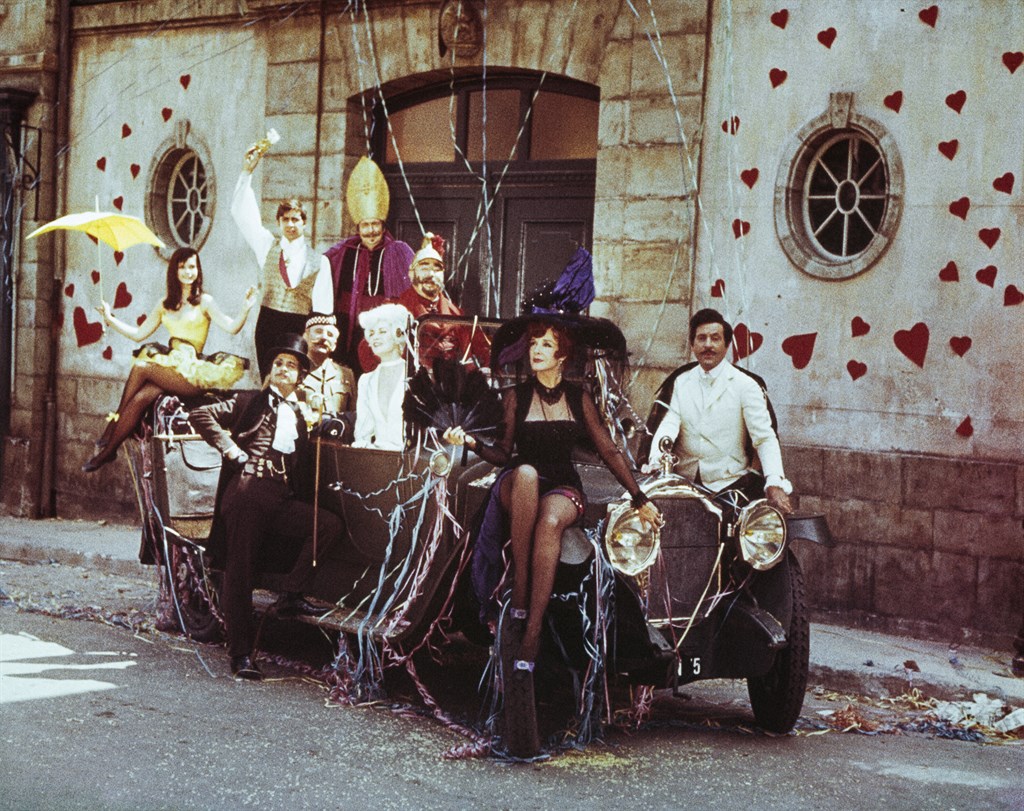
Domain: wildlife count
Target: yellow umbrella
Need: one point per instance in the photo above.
(119, 231)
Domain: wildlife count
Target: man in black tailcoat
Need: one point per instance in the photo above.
(263, 497)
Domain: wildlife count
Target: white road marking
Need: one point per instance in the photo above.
(14, 686)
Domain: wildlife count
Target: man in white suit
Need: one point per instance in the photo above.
(717, 416)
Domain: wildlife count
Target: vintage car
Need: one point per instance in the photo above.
(717, 593)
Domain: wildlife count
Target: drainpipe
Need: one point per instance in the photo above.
(46, 499)
(319, 123)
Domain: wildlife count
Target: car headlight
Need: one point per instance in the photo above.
(631, 545)
(762, 535)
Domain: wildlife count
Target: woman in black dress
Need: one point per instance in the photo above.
(539, 488)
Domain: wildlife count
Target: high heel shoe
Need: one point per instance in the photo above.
(520, 706)
(104, 440)
(521, 737)
(99, 460)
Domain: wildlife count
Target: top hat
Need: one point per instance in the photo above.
(289, 343)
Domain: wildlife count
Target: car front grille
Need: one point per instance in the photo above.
(687, 561)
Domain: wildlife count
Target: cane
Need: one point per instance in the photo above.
(316, 497)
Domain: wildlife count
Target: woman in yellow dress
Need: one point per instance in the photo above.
(179, 368)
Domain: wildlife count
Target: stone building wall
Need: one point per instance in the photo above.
(926, 545)
(28, 63)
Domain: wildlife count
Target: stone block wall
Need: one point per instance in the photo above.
(925, 545)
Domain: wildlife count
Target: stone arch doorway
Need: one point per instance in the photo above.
(503, 167)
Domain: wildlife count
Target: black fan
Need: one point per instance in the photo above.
(453, 395)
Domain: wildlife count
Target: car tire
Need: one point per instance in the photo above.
(191, 599)
(778, 696)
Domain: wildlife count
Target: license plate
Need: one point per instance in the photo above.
(689, 667)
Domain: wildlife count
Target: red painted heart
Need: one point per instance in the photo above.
(718, 289)
(955, 101)
(959, 208)
(780, 18)
(118, 257)
(86, 331)
(894, 101)
(185, 79)
(950, 273)
(122, 298)
(749, 176)
(745, 342)
(800, 348)
(1013, 60)
(777, 76)
(827, 37)
(101, 164)
(949, 148)
(95, 277)
(987, 275)
(1004, 183)
(93, 239)
(731, 125)
(856, 369)
(929, 15)
(167, 112)
(965, 429)
(740, 228)
(69, 291)
(990, 236)
(1012, 296)
(913, 342)
(960, 345)
(135, 169)
(859, 327)
(118, 202)
(125, 130)
(108, 353)
(140, 319)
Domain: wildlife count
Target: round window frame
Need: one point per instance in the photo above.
(166, 160)
(791, 225)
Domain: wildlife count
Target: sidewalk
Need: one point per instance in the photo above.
(842, 659)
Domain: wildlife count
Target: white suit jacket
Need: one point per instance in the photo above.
(374, 427)
(709, 428)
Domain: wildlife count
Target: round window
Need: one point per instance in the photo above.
(839, 195)
(180, 201)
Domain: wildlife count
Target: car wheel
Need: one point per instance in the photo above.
(192, 607)
(778, 696)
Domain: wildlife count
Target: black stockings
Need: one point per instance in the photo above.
(537, 527)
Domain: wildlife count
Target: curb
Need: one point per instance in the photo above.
(34, 553)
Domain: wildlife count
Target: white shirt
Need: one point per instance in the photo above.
(246, 214)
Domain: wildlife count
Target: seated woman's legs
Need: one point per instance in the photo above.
(555, 514)
(519, 497)
(136, 380)
(147, 382)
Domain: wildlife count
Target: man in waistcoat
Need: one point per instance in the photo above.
(263, 508)
(294, 278)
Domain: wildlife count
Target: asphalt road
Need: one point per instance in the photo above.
(158, 723)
